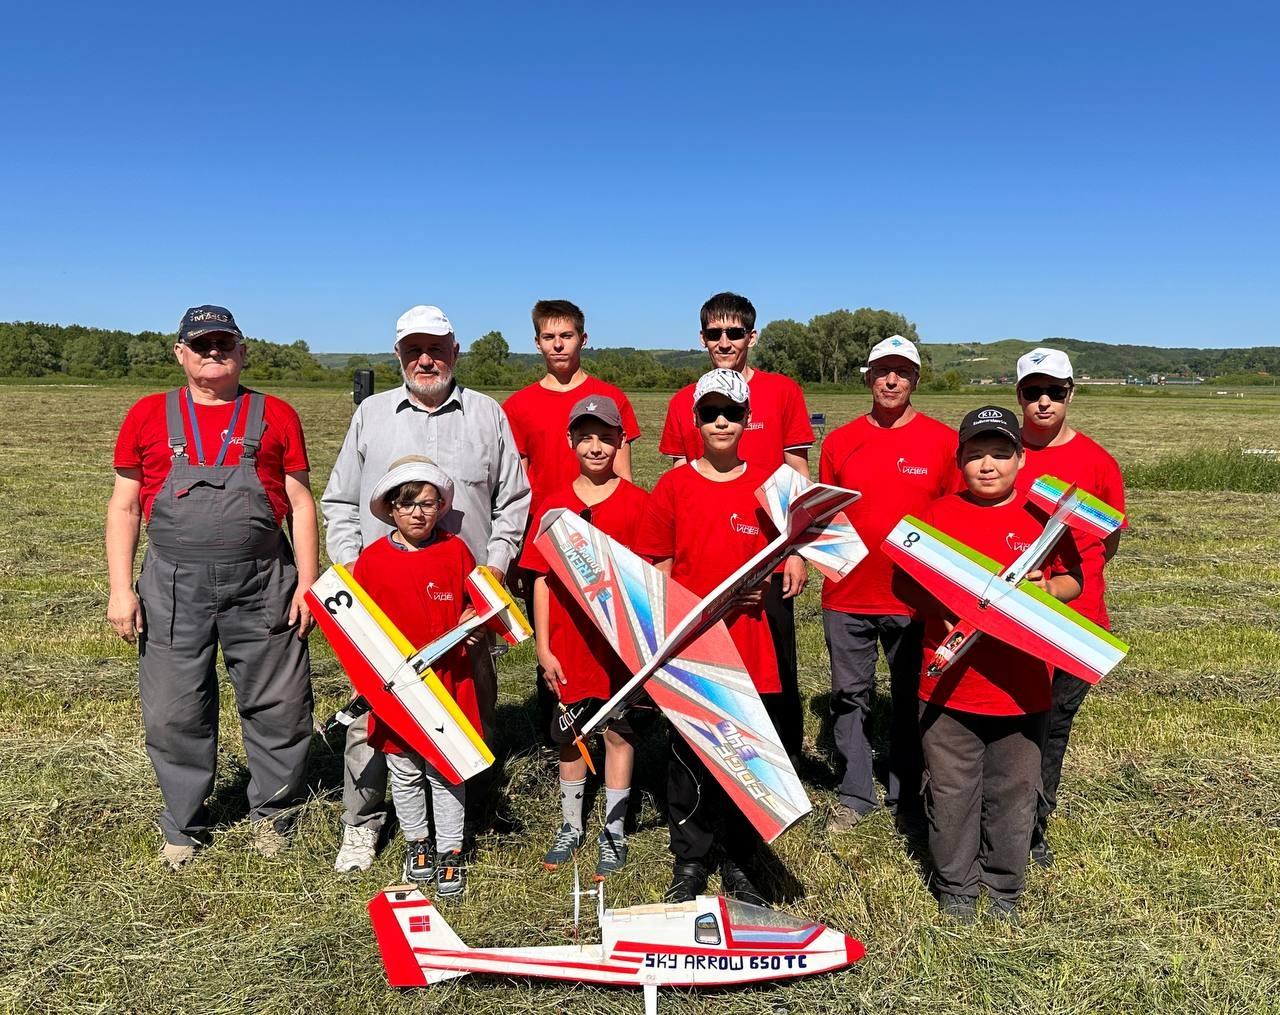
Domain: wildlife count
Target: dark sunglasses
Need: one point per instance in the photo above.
(711, 413)
(205, 344)
(713, 334)
(1035, 392)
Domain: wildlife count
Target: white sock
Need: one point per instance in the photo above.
(571, 802)
(615, 810)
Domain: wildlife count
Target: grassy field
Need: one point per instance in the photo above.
(1165, 896)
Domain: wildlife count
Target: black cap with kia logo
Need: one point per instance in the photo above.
(991, 419)
(206, 320)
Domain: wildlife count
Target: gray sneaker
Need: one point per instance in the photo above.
(451, 875)
(567, 842)
(419, 861)
(844, 819)
(176, 856)
(613, 854)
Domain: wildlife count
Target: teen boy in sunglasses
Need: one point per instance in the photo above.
(703, 523)
(777, 432)
(1045, 389)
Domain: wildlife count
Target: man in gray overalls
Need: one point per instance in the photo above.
(215, 469)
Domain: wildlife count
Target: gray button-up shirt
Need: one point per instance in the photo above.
(468, 437)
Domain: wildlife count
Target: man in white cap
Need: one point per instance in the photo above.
(901, 460)
(467, 435)
(1046, 386)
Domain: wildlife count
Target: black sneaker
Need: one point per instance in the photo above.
(735, 884)
(419, 861)
(688, 881)
(567, 842)
(1041, 855)
(613, 854)
(451, 876)
(961, 908)
(1005, 911)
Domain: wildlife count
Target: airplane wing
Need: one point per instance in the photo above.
(813, 516)
(969, 585)
(704, 688)
(1089, 513)
(495, 609)
(379, 662)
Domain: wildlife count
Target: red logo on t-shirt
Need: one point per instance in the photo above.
(907, 469)
(440, 597)
(1014, 543)
(741, 527)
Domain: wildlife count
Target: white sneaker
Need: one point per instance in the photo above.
(359, 847)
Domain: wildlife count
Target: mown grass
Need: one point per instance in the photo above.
(1164, 897)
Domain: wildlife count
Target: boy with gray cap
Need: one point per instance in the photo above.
(417, 574)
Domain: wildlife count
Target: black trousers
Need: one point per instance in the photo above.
(786, 708)
(981, 779)
(1068, 695)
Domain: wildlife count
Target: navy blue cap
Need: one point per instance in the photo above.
(206, 320)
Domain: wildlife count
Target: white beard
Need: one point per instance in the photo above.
(431, 393)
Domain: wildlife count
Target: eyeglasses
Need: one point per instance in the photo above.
(1035, 392)
(418, 507)
(202, 345)
(734, 334)
(711, 413)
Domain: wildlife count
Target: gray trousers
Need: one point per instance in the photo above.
(364, 780)
(982, 776)
(411, 780)
(190, 609)
(852, 640)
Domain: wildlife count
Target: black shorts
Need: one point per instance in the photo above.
(565, 722)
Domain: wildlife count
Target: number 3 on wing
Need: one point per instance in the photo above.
(340, 598)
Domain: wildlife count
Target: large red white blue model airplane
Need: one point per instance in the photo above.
(993, 599)
(395, 680)
(710, 942)
(679, 650)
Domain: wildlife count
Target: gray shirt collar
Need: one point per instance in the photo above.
(408, 402)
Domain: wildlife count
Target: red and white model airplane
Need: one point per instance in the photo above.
(987, 597)
(679, 649)
(710, 942)
(395, 680)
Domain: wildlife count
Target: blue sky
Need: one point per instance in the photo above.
(1099, 171)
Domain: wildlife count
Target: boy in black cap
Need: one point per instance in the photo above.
(982, 721)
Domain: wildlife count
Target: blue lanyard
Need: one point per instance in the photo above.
(195, 430)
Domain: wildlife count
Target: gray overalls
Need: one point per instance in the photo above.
(219, 571)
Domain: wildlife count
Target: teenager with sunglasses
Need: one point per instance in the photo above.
(215, 470)
(1045, 389)
(778, 432)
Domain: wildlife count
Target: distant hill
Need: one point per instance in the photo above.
(692, 359)
(993, 360)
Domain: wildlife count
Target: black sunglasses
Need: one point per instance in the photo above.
(713, 334)
(711, 413)
(1035, 392)
(202, 345)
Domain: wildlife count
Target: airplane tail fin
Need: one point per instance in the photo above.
(1089, 513)
(813, 515)
(403, 920)
(492, 600)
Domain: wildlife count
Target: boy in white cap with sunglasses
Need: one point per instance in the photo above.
(703, 523)
(1046, 386)
(416, 574)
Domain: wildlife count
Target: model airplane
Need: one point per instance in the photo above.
(710, 942)
(679, 650)
(395, 680)
(988, 598)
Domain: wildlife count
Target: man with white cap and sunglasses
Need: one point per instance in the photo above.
(901, 460)
(1046, 386)
(467, 435)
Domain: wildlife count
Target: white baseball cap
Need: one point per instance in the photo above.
(894, 345)
(410, 469)
(722, 381)
(422, 320)
(1050, 362)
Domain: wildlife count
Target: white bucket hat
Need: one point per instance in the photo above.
(410, 469)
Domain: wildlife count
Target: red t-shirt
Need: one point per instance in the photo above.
(709, 530)
(539, 420)
(143, 443)
(590, 664)
(779, 422)
(899, 472)
(423, 593)
(992, 678)
(1085, 462)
